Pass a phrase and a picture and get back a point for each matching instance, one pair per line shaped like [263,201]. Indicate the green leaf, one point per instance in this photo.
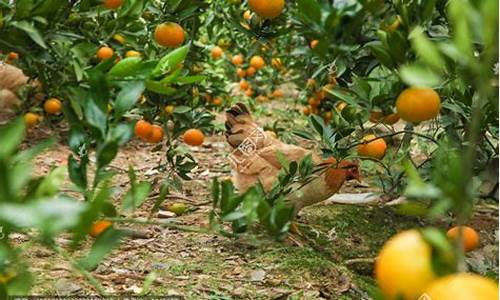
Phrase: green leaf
[182,109]
[103,244]
[137,194]
[23,8]
[311,9]
[77,172]
[125,67]
[106,153]
[170,61]
[11,136]
[426,50]
[32,32]
[419,76]
[191,79]
[128,96]
[381,53]
[49,215]
[95,116]
[50,184]
[121,134]
[158,87]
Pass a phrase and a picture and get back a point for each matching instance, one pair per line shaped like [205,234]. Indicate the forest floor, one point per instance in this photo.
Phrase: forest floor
[333,259]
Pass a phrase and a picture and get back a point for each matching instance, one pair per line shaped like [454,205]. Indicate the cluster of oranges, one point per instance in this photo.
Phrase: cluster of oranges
[167,34]
[317,96]
[215,101]
[404,269]
[52,106]
[153,134]
[413,105]
[149,132]
[256,63]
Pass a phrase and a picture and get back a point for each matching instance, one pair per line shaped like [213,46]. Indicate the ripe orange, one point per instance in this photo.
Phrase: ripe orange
[278,93]
[462,287]
[306,110]
[249,92]
[244,85]
[470,238]
[257,62]
[237,59]
[169,34]
[156,135]
[320,95]
[132,53]
[251,71]
[143,129]
[373,147]
[241,73]
[104,53]
[216,52]
[112,4]
[52,106]
[12,56]
[314,44]
[418,104]
[98,227]
[194,137]
[403,267]
[267,9]
[247,15]
[31,119]
[217,101]
[313,102]
[169,109]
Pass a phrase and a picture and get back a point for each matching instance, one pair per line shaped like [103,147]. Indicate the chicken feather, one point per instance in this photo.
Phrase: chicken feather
[255,159]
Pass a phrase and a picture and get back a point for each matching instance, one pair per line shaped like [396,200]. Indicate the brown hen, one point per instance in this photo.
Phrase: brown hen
[254,159]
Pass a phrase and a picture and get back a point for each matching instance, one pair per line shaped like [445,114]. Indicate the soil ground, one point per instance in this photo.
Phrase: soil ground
[333,259]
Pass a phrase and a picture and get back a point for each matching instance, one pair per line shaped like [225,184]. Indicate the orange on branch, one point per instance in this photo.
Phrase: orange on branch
[52,106]
[470,237]
[237,60]
[143,129]
[257,62]
[112,4]
[104,53]
[194,137]
[156,135]
[404,266]
[267,9]
[217,52]
[418,104]
[372,147]
[169,35]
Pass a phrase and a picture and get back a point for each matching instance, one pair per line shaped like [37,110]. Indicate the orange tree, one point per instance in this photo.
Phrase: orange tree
[430,63]
[100,61]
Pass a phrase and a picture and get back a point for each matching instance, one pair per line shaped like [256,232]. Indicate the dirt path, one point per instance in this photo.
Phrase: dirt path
[333,260]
